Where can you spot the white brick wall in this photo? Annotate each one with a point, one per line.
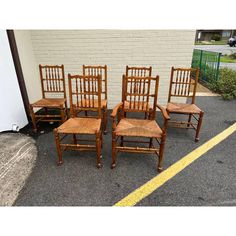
(160, 49)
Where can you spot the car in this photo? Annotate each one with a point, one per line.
(232, 41)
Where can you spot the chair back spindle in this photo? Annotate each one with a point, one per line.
(139, 71)
(183, 83)
(85, 93)
(98, 70)
(139, 93)
(52, 80)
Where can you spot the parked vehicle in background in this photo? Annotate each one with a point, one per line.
(232, 41)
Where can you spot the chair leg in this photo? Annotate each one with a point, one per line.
(199, 126)
(62, 111)
(98, 149)
(74, 139)
(122, 141)
(105, 120)
(113, 164)
(146, 115)
(66, 111)
(189, 119)
(33, 119)
(160, 159)
(46, 110)
(59, 153)
(101, 141)
(150, 143)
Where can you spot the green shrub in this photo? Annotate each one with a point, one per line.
(216, 37)
(232, 56)
(226, 85)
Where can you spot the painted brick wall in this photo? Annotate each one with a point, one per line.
(160, 49)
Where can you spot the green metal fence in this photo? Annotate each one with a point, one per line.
(208, 63)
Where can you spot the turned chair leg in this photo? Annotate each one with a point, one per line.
(66, 111)
(58, 146)
(33, 119)
(151, 143)
(113, 164)
(62, 111)
(98, 149)
(122, 141)
(199, 126)
(101, 137)
(74, 139)
(160, 159)
(189, 119)
(46, 110)
(105, 120)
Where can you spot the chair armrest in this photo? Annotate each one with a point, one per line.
(115, 110)
(163, 111)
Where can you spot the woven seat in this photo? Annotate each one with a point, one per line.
(49, 102)
(138, 128)
(80, 126)
(85, 103)
(183, 108)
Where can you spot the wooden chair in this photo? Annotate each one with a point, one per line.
(141, 95)
(183, 83)
(85, 95)
(52, 83)
(100, 70)
(139, 72)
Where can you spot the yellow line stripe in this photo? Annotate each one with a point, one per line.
(149, 187)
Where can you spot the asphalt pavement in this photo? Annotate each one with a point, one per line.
(210, 180)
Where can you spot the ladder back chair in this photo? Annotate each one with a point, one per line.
(53, 95)
(138, 72)
(102, 71)
(141, 95)
(183, 83)
(85, 95)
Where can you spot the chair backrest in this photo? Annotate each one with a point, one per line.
(138, 71)
(85, 93)
(98, 70)
(183, 83)
(52, 80)
(139, 94)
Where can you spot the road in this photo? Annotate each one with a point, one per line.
(224, 49)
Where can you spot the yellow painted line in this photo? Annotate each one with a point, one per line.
(153, 184)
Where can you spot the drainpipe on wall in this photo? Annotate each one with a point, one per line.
(19, 73)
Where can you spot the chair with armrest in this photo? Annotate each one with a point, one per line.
(139, 95)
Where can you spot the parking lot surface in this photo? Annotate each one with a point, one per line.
(210, 180)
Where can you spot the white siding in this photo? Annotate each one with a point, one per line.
(28, 64)
(160, 49)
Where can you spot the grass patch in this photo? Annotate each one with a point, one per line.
(227, 59)
(222, 42)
